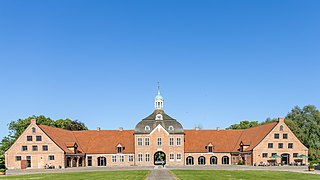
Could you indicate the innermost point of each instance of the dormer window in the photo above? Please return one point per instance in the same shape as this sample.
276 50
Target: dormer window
209 148
119 149
147 128
171 128
159 117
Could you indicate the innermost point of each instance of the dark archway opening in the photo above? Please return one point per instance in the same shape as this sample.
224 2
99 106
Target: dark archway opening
159 158
189 160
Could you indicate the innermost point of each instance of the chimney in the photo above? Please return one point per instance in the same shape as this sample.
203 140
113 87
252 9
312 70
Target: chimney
218 128
120 128
98 128
197 128
33 121
281 119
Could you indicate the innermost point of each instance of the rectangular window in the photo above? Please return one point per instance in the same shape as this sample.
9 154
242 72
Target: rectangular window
270 145
28 158
265 155
140 157
24 148
89 160
34 148
119 149
44 147
51 157
171 142
114 158
178 156
159 141
276 136
171 157
33 130
121 158
147 157
295 155
139 141
29 138
273 154
290 145
18 158
38 138
178 141
147 141
280 145
130 158
209 148
285 136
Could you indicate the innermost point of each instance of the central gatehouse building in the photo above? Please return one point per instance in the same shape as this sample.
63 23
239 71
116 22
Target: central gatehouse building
156 139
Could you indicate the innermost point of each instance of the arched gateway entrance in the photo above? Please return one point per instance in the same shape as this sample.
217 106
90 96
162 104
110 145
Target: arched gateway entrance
159 158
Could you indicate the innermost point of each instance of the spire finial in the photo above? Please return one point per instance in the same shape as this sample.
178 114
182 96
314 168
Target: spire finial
158 88
158 100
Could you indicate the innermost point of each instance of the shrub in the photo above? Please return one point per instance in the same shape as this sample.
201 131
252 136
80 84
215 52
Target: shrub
2 170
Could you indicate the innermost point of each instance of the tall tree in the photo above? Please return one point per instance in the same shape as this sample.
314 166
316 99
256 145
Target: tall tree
305 123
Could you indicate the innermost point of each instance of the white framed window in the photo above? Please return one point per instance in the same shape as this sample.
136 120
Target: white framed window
130 158
178 157
139 141
178 141
140 157
147 141
147 128
114 158
171 157
121 158
209 148
171 141
171 128
159 141
147 157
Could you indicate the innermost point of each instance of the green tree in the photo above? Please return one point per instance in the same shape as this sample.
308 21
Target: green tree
305 124
244 125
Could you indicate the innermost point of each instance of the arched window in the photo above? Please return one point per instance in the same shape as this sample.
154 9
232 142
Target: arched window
171 128
213 160
33 130
225 160
102 161
189 160
201 160
147 128
281 128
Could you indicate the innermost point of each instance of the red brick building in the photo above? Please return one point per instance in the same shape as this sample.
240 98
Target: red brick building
156 139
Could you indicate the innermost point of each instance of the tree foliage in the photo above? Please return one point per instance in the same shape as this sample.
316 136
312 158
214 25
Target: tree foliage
16 128
305 124
244 125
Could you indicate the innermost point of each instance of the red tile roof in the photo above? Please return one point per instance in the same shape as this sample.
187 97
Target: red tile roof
92 142
225 140
106 141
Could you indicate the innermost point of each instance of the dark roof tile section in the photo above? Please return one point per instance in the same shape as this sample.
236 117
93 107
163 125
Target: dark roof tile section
152 123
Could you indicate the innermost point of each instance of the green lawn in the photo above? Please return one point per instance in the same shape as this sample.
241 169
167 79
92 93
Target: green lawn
254 175
84 175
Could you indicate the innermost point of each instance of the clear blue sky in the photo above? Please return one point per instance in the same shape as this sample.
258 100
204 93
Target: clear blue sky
218 62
